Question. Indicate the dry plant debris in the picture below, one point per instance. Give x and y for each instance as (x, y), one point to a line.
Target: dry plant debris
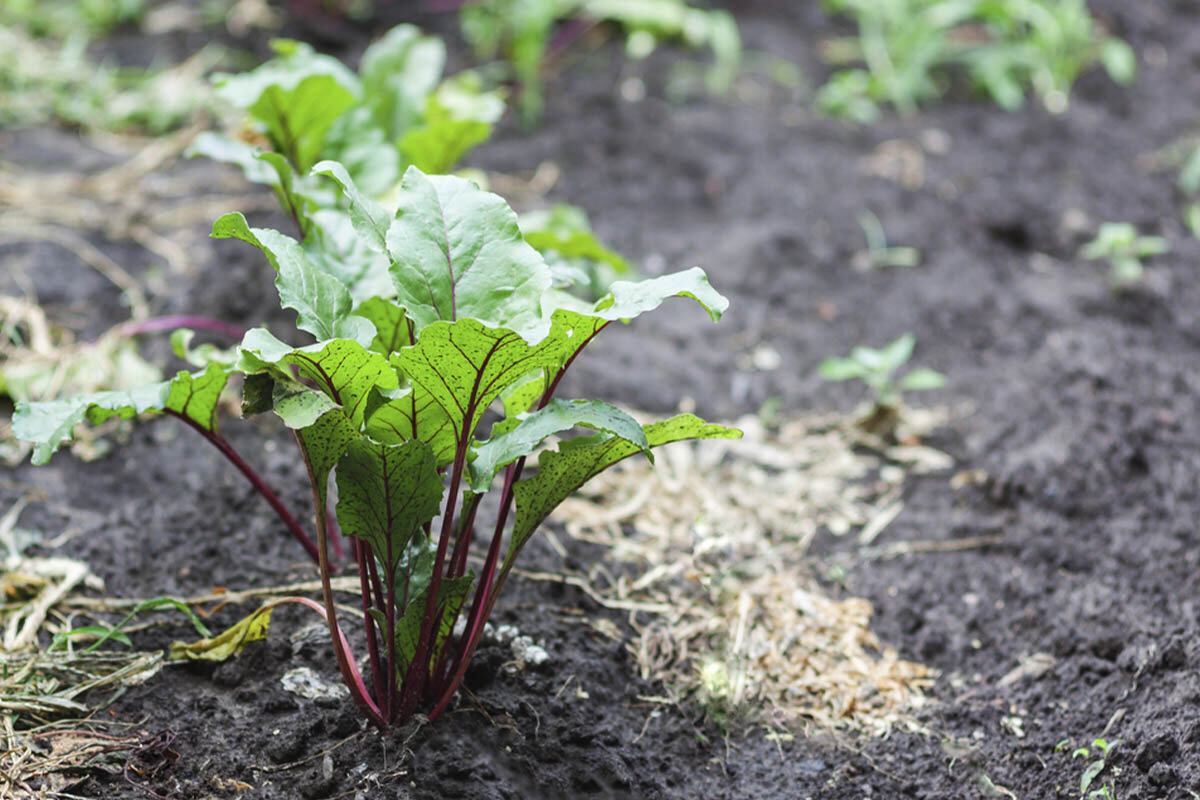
(710, 559)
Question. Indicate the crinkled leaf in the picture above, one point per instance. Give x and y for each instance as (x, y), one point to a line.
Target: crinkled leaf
(386, 493)
(393, 329)
(465, 365)
(341, 368)
(575, 327)
(296, 97)
(322, 303)
(562, 471)
(191, 395)
(457, 252)
(227, 644)
(558, 415)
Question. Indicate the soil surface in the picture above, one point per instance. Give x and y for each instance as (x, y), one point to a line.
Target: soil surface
(1084, 416)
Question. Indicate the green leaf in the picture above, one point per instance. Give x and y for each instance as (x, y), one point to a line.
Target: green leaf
(452, 592)
(334, 246)
(411, 413)
(322, 303)
(840, 369)
(386, 493)
(296, 97)
(228, 150)
(465, 365)
(370, 220)
(896, 353)
(1119, 61)
(227, 644)
(922, 379)
(342, 369)
(191, 395)
(436, 146)
(628, 299)
(322, 444)
(457, 252)
(1089, 774)
(565, 230)
(397, 73)
(393, 329)
(562, 471)
(558, 415)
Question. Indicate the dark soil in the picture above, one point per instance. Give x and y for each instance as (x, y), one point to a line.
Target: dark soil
(1085, 418)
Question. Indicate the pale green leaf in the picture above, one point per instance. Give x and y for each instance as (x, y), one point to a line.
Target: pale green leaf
(922, 379)
(194, 396)
(370, 219)
(322, 303)
(457, 252)
(558, 415)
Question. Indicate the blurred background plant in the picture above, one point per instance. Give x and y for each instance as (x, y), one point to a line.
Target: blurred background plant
(1124, 248)
(528, 33)
(911, 49)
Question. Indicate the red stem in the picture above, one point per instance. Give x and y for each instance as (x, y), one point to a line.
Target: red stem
(362, 550)
(341, 648)
(227, 450)
(173, 321)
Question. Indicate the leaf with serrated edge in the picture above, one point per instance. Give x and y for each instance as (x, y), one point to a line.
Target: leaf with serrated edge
(342, 369)
(558, 415)
(386, 493)
(457, 253)
(465, 365)
(192, 395)
(322, 303)
(562, 471)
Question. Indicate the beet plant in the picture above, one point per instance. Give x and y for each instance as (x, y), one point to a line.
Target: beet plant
(392, 399)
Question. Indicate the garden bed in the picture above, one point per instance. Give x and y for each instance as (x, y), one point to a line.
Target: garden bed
(1074, 429)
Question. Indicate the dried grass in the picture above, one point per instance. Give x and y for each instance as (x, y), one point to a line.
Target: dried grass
(708, 553)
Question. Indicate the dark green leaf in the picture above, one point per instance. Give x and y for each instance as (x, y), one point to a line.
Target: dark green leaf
(386, 493)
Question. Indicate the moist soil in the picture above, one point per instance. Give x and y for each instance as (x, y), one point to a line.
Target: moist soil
(1078, 413)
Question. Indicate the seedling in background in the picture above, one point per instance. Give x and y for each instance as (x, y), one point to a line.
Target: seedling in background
(391, 397)
(910, 50)
(877, 369)
(524, 33)
(879, 254)
(1120, 244)
(1102, 750)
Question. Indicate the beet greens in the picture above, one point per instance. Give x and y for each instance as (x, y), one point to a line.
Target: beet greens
(390, 398)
